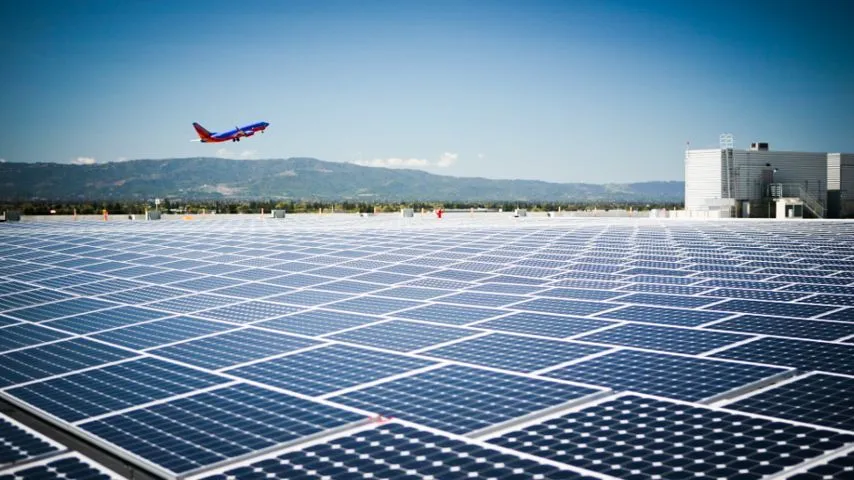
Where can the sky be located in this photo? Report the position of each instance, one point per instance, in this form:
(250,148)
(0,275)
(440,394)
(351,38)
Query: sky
(592,91)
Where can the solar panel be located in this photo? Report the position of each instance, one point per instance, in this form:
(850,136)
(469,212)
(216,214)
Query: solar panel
(202,430)
(328,369)
(69,466)
(43,361)
(26,335)
(398,451)
(686,378)
(633,436)
(96,392)
(19,443)
(786,327)
(449,314)
(433,398)
(664,316)
(841,466)
(151,334)
(802,354)
(401,335)
(512,352)
(230,348)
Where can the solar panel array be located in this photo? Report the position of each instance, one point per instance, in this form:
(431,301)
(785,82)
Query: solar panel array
(471,346)
(26,454)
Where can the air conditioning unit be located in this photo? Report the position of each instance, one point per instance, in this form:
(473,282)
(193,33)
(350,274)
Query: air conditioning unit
(759,147)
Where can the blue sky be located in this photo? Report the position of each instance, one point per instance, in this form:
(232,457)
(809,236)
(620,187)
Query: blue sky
(570,91)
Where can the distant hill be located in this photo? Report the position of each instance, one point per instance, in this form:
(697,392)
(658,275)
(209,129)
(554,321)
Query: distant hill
(294,179)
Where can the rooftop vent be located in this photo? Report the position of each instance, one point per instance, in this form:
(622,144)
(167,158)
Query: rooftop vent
(759,146)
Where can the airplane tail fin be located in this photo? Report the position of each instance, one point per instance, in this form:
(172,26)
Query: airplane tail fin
(204,134)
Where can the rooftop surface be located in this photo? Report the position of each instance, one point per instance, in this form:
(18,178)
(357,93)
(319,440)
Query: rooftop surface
(472,346)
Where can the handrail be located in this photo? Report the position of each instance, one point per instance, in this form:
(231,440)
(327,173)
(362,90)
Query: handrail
(778,190)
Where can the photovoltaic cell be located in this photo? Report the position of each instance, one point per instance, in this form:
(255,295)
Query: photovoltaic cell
(52,359)
(772,308)
(70,466)
(667,339)
(803,354)
(328,369)
(432,398)
(664,316)
(318,322)
(389,451)
(19,444)
(401,335)
(564,307)
(511,352)
(638,437)
(819,399)
(105,319)
(25,335)
(678,377)
(449,314)
(787,327)
(116,387)
(161,332)
(204,429)
(230,348)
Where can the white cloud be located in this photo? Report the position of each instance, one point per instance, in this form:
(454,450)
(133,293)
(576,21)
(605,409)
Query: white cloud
(447,159)
(481,156)
(2,160)
(122,159)
(394,162)
(244,155)
(83,161)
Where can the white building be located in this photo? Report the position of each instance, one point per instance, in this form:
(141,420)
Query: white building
(760,182)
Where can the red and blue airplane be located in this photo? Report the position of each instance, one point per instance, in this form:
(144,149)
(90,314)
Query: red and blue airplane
(234,135)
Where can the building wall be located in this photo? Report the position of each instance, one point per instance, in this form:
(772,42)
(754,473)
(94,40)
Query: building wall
(703,170)
(809,170)
(846,183)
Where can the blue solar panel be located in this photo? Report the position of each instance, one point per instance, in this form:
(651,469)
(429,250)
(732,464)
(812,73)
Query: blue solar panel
(802,354)
(664,316)
(829,299)
(679,301)
(309,297)
(52,359)
(26,335)
(842,315)
(145,294)
(229,348)
(636,437)
(544,324)
(328,369)
(60,309)
(252,290)
(771,308)
(449,314)
(402,336)
(400,452)
(205,283)
(511,352)
(373,305)
(564,307)
(96,392)
(671,376)
(161,332)
(349,286)
(432,398)
(667,339)
(204,429)
(20,444)
(818,399)
(787,327)
(32,297)
(104,319)
(191,303)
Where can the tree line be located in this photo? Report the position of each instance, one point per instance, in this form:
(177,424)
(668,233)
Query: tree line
(255,206)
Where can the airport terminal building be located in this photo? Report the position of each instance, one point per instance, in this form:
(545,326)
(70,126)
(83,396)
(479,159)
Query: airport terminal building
(760,182)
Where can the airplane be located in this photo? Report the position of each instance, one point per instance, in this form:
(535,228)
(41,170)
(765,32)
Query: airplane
(206,136)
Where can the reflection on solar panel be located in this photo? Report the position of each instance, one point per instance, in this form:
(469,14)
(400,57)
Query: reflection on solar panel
(250,347)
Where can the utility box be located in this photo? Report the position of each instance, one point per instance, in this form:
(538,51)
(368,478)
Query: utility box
(407,212)
(277,213)
(152,215)
(521,212)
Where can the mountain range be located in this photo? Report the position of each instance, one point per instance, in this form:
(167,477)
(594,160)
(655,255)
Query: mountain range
(295,179)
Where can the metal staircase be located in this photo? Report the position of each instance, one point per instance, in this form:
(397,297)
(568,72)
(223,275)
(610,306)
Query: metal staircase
(780,190)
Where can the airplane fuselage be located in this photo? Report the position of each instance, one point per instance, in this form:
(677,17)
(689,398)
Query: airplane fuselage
(233,135)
